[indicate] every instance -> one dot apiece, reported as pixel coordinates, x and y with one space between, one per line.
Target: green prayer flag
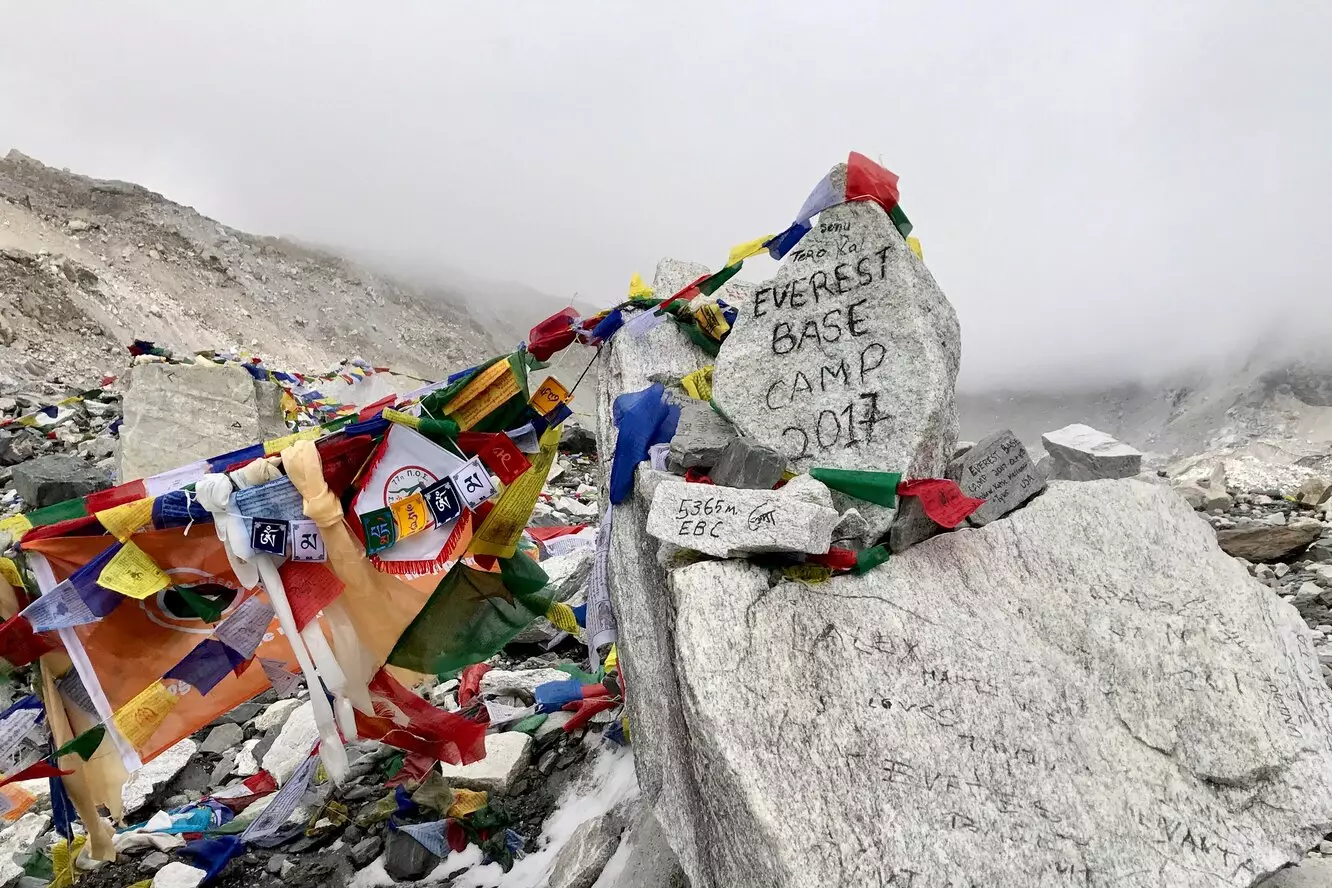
572 670
59 512
874 487
472 614
83 745
204 609
530 724
900 220
718 280
868 559
711 346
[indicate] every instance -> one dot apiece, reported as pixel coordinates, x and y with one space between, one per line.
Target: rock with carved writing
848 357
998 470
1081 453
730 521
1087 692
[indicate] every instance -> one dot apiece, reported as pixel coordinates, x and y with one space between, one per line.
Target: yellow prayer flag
562 617
140 718
498 534
743 251
62 861
711 320
638 288
810 574
467 801
277 445
411 515
132 572
550 395
914 244
9 570
612 659
699 384
491 388
16 526
121 521
402 418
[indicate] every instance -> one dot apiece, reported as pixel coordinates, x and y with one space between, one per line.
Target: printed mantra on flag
844 322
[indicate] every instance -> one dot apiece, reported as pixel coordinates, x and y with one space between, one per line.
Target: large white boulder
176 414
1081 453
1085 692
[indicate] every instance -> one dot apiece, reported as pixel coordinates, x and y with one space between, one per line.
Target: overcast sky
1103 189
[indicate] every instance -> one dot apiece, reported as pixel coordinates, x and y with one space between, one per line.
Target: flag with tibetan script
141 640
407 463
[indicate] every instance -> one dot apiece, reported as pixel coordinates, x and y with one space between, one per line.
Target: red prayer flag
835 558
497 451
444 736
258 786
688 293
36 771
114 496
370 411
866 180
554 334
416 767
586 709
19 644
944 501
311 587
546 534
469 683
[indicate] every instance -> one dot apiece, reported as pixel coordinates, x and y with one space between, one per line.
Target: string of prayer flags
741 252
637 288
244 628
310 589
140 718
84 745
943 501
499 531
132 573
469 617
19 645
874 487
204 667
497 451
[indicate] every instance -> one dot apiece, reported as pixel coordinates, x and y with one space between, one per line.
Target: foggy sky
1106 190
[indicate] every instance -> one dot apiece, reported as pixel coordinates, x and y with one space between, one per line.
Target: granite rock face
746 464
1087 692
1081 453
848 356
700 437
176 413
728 521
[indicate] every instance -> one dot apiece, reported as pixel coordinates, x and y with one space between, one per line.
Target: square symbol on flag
473 483
307 544
269 535
380 533
442 500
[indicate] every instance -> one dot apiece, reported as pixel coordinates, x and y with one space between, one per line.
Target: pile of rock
69 454
1048 695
